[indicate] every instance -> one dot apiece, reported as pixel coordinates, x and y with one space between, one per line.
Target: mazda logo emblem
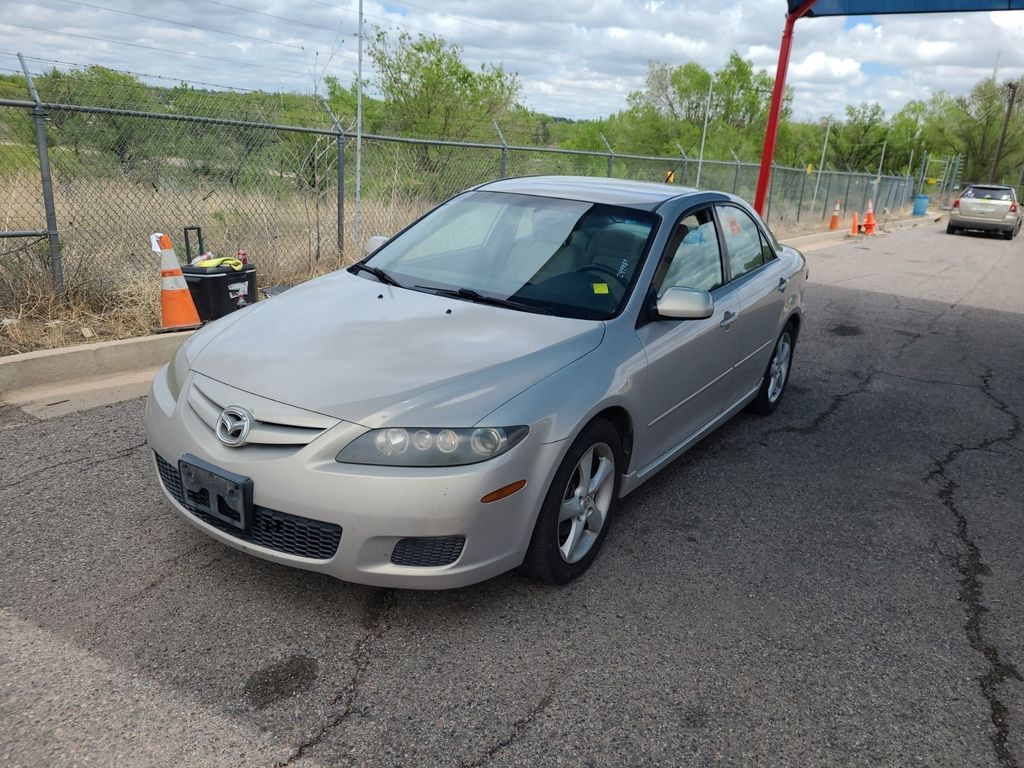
233 425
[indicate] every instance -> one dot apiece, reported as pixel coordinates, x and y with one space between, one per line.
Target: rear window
988 193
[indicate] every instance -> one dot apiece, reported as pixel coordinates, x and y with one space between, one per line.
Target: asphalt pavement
837 584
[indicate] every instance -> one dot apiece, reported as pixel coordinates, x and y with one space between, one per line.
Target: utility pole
1002 134
704 133
359 138
821 163
878 176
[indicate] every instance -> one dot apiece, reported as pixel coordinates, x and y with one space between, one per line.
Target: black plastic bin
219 291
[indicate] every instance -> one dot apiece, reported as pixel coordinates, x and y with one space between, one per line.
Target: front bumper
386 516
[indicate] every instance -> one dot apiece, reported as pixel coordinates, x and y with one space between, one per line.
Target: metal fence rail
283 191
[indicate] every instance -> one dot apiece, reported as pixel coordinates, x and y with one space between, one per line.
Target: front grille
275 530
426 552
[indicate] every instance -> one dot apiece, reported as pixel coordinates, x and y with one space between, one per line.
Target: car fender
560 405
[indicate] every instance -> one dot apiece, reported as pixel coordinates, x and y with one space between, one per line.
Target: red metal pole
778 91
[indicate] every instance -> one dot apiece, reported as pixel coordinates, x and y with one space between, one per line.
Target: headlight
177 371
413 447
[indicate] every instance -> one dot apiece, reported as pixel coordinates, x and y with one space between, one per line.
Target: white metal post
821 163
704 133
359 138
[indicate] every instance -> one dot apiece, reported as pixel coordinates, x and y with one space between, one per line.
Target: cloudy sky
575 58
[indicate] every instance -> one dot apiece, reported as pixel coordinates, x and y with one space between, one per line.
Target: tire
1008 234
773 386
950 229
552 557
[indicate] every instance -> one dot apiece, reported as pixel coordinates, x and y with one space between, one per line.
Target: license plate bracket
223 495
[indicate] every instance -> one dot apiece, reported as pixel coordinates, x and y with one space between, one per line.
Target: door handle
783 282
728 319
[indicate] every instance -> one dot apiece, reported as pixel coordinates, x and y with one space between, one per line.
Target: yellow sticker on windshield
600 287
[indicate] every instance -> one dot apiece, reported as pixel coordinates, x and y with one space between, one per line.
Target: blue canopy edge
876 7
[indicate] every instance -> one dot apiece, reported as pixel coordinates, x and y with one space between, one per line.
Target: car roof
593 189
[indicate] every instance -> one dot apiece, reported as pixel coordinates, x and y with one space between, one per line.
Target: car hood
368 353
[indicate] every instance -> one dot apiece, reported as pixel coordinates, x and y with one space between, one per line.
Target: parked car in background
988 208
477 394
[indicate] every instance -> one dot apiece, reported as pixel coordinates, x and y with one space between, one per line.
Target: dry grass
112 276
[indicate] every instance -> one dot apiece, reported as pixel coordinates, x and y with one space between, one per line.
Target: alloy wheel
586 502
780 367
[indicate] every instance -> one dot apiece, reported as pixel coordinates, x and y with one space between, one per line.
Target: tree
857 142
127 138
970 125
431 93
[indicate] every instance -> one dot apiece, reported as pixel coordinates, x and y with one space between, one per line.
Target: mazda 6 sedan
479 392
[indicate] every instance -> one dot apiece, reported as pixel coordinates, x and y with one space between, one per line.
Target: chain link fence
275 175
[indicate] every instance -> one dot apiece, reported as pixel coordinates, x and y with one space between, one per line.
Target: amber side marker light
504 493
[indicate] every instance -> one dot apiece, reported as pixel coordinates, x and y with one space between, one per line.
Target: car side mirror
374 244
685 304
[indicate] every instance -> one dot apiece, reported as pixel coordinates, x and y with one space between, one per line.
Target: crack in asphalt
133 599
519 727
919 380
971 567
864 382
375 616
90 461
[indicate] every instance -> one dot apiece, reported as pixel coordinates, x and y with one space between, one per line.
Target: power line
404 25
154 48
184 24
465 20
79 65
299 22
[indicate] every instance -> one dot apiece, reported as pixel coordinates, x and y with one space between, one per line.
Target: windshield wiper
380 274
478 298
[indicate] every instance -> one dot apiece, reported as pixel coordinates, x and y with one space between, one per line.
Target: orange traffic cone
869 220
834 224
177 310
855 229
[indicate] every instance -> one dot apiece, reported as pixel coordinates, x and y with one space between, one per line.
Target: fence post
800 202
611 154
39 118
503 165
771 194
736 174
828 194
686 163
339 142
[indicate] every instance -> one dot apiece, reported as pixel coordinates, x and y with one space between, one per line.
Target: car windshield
564 257
987 193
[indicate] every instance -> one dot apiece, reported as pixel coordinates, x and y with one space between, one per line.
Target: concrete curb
84 362
844 232
87 361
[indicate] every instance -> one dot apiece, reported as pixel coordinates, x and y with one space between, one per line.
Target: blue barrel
921 205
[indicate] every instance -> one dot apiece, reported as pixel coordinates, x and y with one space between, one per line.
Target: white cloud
818 66
576 58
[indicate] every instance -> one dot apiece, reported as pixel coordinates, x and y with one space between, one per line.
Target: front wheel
576 512
776 375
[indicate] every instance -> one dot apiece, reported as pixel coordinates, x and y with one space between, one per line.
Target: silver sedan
478 393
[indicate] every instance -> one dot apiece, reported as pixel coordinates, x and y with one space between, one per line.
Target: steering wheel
601 268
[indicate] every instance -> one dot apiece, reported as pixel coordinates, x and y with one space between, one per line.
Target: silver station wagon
478 393
988 208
